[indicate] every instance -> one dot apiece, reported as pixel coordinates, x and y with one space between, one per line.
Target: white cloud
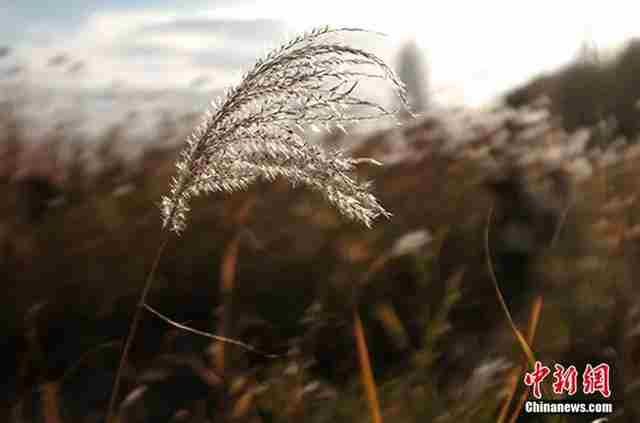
474 50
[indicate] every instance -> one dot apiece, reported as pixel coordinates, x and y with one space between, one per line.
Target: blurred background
528 113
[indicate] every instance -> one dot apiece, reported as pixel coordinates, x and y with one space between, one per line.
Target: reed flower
256 132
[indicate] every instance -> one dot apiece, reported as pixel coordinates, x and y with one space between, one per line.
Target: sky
474 51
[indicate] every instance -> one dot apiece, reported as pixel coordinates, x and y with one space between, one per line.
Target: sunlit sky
474 50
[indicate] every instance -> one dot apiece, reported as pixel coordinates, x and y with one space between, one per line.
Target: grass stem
521 341
365 368
133 328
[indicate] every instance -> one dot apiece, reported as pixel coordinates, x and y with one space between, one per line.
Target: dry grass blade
228 275
133 328
227 278
534 318
521 341
50 403
365 369
207 334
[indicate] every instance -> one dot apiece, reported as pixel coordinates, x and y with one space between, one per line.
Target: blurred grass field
79 225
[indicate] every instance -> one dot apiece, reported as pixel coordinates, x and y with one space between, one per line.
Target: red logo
596 379
536 377
565 380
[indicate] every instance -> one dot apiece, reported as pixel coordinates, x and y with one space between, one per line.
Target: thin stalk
521 341
227 278
228 269
364 361
133 328
50 404
513 385
534 318
207 334
365 368
521 400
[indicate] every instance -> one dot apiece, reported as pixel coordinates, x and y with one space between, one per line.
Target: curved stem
366 373
534 318
133 328
524 345
202 333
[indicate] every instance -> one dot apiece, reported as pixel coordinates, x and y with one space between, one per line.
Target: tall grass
257 133
565 268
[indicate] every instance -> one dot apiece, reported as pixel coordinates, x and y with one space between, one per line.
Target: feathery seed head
255 131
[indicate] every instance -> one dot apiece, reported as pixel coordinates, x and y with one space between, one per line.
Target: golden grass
524 345
514 377
366 373
50 406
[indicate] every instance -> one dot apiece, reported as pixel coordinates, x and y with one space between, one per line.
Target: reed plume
256 132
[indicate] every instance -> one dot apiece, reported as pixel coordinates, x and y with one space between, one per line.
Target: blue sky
34 19
474 50
144 43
